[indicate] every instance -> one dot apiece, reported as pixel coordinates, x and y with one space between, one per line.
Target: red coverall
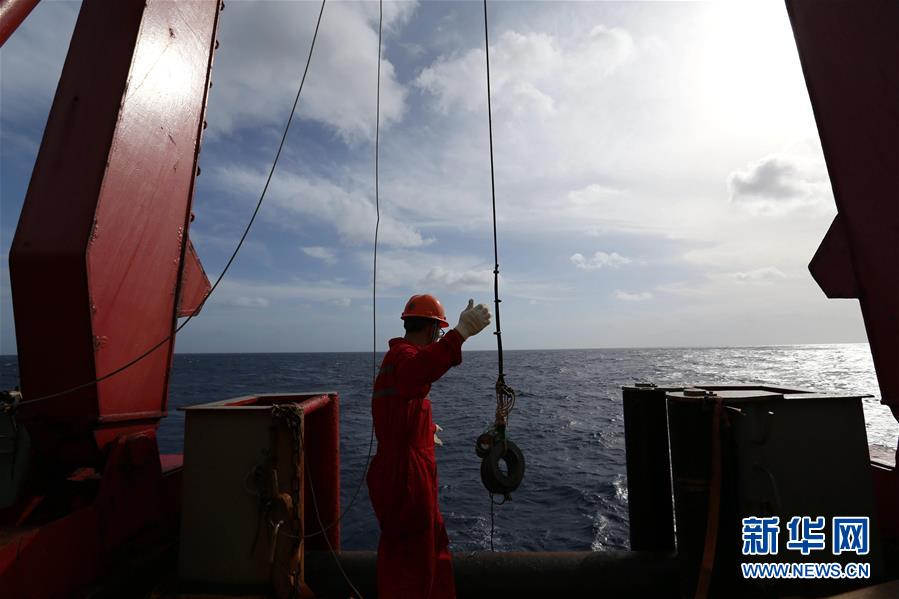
414 561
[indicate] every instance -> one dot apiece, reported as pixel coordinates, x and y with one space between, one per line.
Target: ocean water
568 422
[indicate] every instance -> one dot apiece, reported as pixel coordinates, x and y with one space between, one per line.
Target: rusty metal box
240 461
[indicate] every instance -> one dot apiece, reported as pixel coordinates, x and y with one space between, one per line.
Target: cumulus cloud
445 80
468 280
257 66
408 269
256 75
632 297
326 255
552 92
402 271
779 183
772 177
599 260
594 130
350 211
530 72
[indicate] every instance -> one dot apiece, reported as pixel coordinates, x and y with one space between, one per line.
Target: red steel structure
98 260
850 57
12 13
100 268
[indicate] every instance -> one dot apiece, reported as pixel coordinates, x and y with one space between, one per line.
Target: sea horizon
568 421
518 349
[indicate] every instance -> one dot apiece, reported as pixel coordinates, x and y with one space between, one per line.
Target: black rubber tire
483 445
493 477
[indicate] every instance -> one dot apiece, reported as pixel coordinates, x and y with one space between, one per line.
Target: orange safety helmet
425 306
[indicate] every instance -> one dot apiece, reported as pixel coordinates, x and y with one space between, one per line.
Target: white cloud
407 270
326 255
403 271
396 14
570 145
596 130
262 55
599 260
632 297
767 274
530 72
342 302
585 139
262 52
468 280
779 183
349 211
452 81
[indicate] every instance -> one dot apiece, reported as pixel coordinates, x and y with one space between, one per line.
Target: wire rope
374 285
322 528
233 254
496 300
505 395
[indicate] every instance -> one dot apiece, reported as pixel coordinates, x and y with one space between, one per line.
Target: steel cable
505 395
374 284
496 300
233 254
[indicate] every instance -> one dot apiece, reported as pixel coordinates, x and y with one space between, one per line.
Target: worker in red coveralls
414 561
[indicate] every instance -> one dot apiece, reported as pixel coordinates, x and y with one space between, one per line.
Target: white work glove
437 429
473 319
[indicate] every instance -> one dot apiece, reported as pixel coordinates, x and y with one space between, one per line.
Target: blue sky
658 172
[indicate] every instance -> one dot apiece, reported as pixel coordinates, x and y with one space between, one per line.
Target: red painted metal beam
322 454
97 260
194 284
12 13
850 57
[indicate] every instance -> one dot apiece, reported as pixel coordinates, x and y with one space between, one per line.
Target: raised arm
432 361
